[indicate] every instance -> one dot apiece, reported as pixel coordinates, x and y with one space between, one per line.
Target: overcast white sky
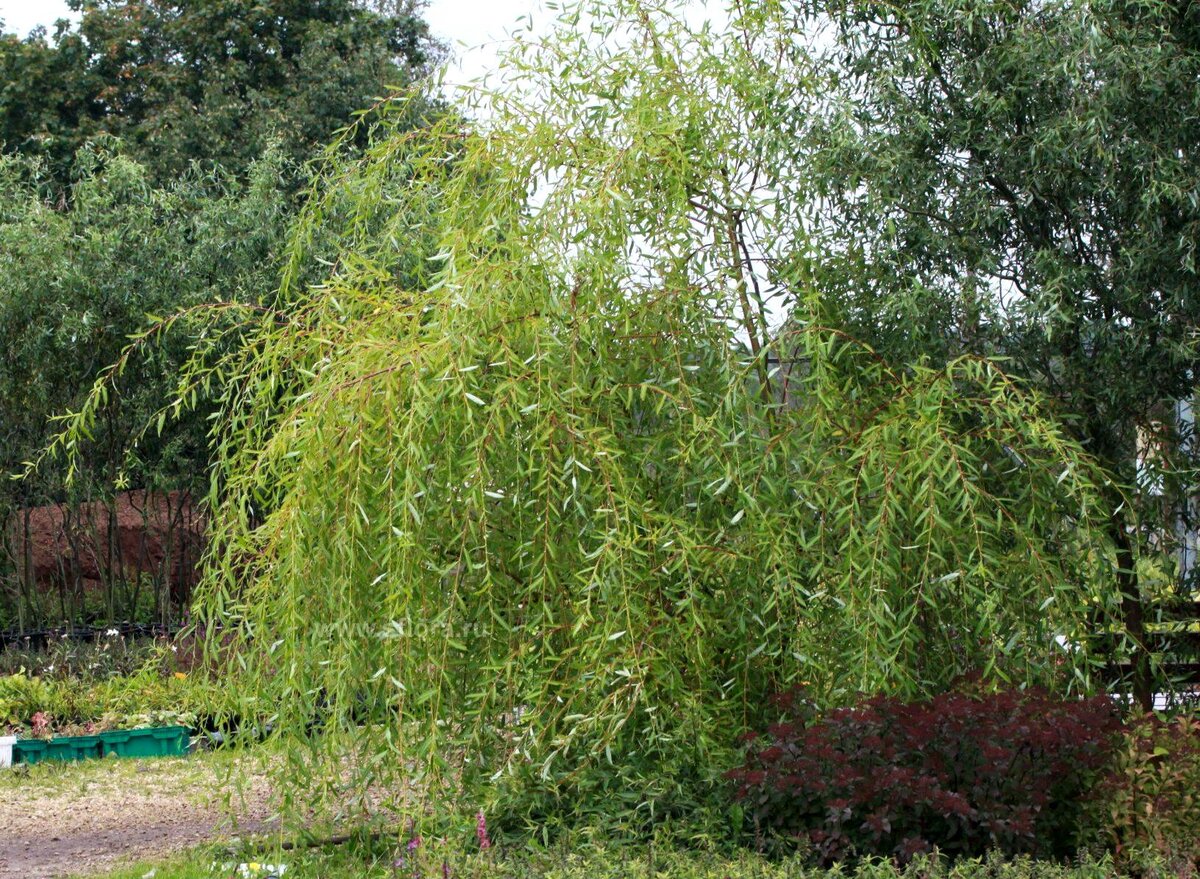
20 16
481 25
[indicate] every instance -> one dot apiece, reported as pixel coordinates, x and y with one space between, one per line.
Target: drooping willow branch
507 499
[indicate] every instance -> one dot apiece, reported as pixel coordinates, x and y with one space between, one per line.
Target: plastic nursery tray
165 741
162 741
63 748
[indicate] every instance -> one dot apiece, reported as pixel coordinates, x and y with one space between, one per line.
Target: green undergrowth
43 706
604 862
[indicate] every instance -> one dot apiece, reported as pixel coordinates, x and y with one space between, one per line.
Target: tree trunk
1133 613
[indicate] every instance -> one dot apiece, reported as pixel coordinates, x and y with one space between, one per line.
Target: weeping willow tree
533 502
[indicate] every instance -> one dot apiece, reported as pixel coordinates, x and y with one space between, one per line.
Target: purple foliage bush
965 772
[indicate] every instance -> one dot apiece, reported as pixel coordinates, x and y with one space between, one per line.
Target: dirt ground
81 818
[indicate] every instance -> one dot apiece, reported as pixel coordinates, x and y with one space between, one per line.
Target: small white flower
112 633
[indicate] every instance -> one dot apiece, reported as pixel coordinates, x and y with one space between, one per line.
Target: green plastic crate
163 741
61 748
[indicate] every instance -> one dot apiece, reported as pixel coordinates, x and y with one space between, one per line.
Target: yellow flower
181 675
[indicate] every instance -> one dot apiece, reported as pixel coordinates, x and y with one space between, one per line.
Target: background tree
214 83
78 282
155 150
532 504
1019 179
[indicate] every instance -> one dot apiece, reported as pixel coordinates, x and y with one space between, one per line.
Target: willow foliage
558 476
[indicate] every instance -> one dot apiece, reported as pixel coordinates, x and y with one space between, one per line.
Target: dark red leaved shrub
963 772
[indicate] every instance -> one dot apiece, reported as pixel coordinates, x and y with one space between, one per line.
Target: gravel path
81 818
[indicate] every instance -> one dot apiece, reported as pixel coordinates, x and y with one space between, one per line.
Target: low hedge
964 772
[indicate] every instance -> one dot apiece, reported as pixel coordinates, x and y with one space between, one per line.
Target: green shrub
1150 804
151 699
21 697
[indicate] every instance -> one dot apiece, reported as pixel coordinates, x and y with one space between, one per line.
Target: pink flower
481 832
40 722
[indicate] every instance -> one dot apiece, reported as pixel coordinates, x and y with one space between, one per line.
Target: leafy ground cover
591 862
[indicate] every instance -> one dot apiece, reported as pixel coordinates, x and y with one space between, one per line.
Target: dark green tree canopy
1020 178
149 159
78 283
210 82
